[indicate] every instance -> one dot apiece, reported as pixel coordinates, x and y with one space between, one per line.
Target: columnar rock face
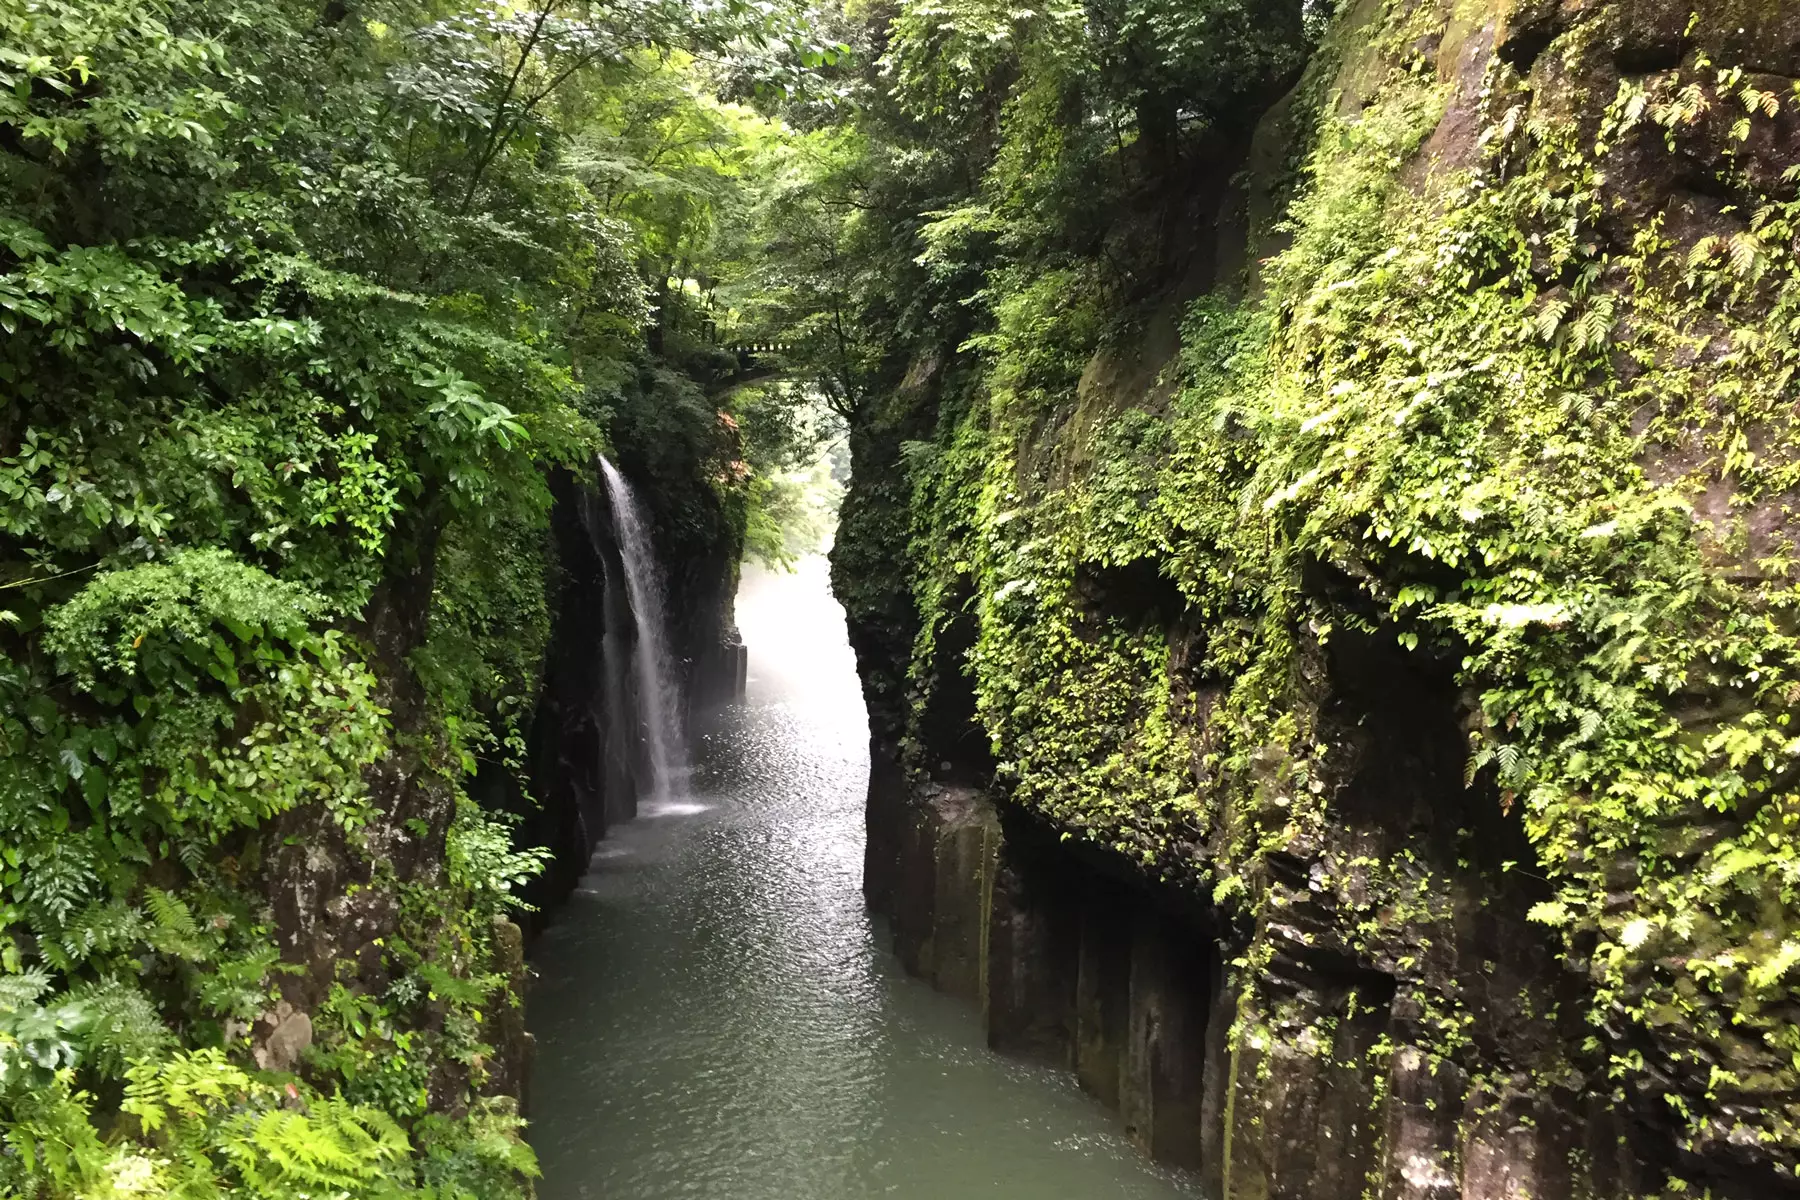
1309 1086
1330 711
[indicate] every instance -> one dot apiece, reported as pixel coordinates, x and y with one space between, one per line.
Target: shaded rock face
1349 1070
1303 1088
1365 1009
335 902
514 1046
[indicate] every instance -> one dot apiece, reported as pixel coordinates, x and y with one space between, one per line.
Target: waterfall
657 699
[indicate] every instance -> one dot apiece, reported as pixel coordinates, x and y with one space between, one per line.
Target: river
717 1015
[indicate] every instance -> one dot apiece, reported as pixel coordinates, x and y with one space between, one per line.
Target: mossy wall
1426 610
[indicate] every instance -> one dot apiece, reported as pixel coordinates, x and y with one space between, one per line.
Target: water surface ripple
717 1017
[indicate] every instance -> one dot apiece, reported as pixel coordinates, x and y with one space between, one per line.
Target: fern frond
122 1025
192 854
61 879
99 928
1703 249
1508 754
335 1146
1594 326
1549 318
23 989
1746 254
1477 760
174 930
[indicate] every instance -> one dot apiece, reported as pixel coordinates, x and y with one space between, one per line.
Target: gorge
715 1012
1302 703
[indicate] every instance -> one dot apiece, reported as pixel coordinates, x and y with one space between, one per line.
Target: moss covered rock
1430 612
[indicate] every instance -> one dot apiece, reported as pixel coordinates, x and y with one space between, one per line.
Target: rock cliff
1349 722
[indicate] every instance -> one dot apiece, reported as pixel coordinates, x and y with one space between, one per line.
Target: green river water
717 1015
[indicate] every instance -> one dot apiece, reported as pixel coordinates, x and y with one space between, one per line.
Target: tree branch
498 128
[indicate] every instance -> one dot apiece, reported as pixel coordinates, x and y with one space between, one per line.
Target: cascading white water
650 658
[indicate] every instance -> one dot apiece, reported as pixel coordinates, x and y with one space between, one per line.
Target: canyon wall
1347 723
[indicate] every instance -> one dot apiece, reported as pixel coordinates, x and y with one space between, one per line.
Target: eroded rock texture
1311 1083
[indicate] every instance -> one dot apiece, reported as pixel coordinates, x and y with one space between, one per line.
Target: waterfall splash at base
658 700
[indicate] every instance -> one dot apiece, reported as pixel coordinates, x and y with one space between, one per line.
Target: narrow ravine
716 1015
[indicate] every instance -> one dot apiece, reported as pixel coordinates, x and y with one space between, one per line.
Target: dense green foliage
302 306
1157 403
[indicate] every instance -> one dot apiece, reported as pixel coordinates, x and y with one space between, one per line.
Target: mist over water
718 1018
